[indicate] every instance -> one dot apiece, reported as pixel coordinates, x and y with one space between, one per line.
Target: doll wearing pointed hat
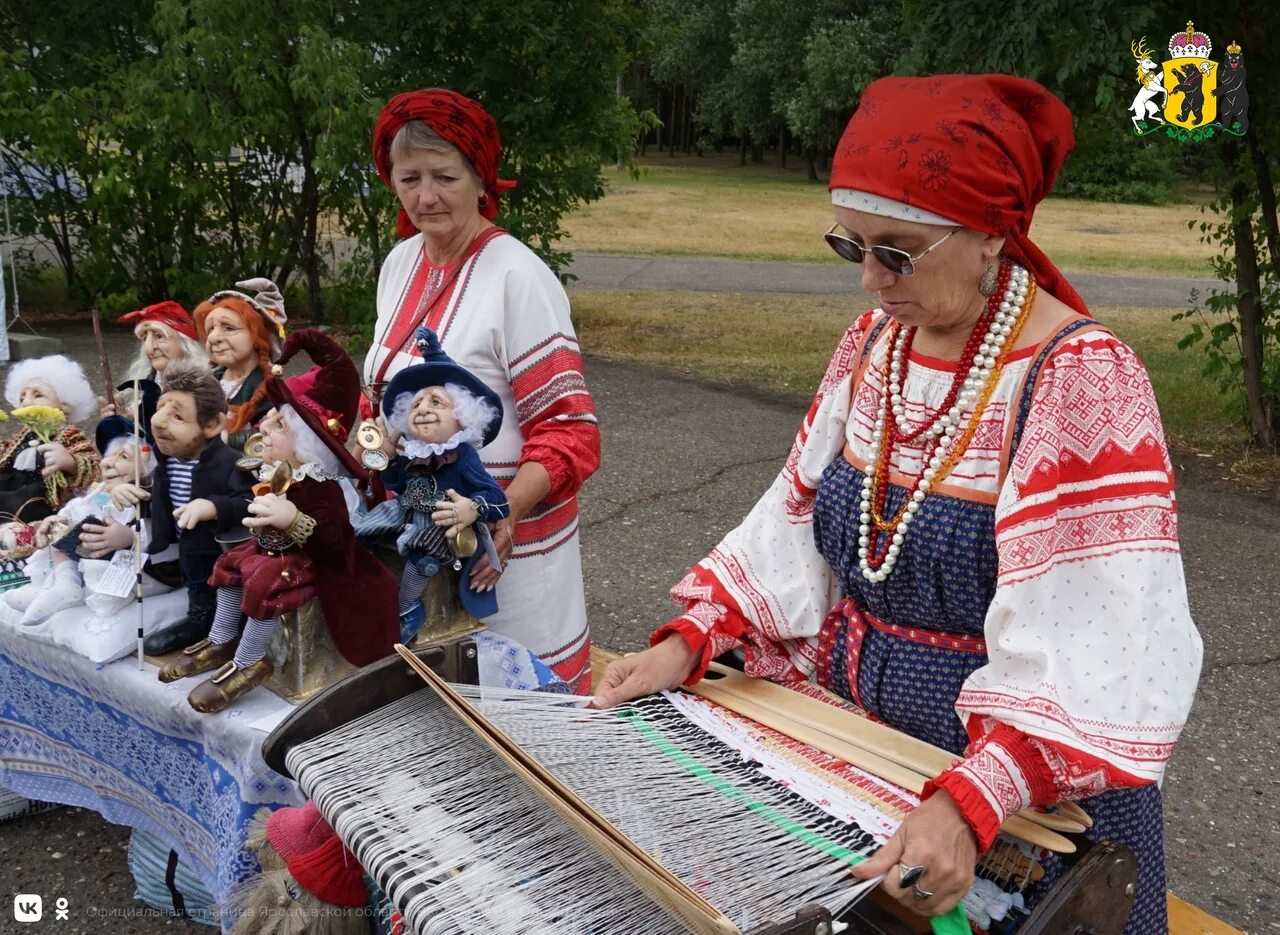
303 546
444 415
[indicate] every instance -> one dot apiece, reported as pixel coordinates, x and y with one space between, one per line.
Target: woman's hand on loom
658 668
101 541
934 836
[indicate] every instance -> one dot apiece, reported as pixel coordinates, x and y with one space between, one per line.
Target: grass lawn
784 342
711 206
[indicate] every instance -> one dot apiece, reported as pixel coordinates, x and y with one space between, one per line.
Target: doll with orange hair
242 334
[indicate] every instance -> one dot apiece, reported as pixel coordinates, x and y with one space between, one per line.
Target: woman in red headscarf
974 538
503 315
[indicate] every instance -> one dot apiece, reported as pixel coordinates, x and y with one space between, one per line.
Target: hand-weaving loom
482 810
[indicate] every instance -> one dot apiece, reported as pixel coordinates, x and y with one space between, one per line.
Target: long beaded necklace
880 540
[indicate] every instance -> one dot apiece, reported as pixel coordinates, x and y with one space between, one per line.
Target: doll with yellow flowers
47 460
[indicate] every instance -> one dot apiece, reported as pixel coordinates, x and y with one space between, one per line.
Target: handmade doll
165 332
303 546
197 495
443 415
242 334
48 461
76 544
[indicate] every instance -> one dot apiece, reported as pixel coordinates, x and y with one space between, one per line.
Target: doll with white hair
443 414
75 545
165 333
303 545
49 460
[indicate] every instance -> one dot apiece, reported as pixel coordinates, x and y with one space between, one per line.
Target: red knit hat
167 312
977 151
326 397
315 856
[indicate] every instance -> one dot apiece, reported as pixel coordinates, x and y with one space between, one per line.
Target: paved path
648 515
707 274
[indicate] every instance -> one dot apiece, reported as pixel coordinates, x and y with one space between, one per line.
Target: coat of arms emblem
1190 95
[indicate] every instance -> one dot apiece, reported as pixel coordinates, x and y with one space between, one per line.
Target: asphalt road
683 460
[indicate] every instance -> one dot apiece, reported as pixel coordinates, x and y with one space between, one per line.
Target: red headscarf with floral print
458 120
982 150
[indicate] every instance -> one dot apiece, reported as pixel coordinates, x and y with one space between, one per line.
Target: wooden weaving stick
874 747
649 875
914 754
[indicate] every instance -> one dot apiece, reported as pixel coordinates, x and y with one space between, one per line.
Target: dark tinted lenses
894 260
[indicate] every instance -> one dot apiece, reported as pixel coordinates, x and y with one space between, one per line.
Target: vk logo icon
27 908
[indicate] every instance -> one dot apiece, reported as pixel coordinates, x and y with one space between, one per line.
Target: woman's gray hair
418 135
308 447
192 350
474 413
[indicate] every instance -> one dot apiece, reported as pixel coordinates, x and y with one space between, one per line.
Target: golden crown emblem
1233 49
1190 43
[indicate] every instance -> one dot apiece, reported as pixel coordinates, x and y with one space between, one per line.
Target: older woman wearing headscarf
974 538
501 314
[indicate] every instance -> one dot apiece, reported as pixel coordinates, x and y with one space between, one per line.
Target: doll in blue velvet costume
443 415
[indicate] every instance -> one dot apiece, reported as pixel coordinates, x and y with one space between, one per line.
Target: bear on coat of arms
1192 86
1233 96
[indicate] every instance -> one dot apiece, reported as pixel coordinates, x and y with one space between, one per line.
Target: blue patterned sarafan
944 581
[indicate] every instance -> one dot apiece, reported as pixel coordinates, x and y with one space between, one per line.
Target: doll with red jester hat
303 545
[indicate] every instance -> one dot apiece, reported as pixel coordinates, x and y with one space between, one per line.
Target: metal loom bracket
810 920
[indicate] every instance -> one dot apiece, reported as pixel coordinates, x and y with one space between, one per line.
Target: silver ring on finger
917 893
907 876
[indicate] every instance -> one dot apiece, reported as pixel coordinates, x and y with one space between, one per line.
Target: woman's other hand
936 837
658 668
483 575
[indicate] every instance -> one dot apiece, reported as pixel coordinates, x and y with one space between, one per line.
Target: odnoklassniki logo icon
1189 95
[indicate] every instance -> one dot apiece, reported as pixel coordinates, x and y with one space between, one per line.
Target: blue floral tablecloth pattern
118 741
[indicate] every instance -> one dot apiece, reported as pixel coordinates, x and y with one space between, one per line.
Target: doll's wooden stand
307 660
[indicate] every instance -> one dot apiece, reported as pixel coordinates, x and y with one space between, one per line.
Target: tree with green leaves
1080 49
162 148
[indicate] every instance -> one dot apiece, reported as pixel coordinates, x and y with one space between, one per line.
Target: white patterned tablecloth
115 739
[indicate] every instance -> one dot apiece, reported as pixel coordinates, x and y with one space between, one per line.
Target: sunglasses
898 262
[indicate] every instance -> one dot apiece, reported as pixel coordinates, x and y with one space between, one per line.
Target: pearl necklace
979 382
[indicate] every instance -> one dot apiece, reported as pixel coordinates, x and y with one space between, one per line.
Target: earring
484 200
987 284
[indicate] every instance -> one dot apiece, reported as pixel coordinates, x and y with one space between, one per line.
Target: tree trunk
782 148
310 236
742 150
671 143
1248 303
811 163
1267 191
757 153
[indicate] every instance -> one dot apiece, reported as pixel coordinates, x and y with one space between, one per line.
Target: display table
116 740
